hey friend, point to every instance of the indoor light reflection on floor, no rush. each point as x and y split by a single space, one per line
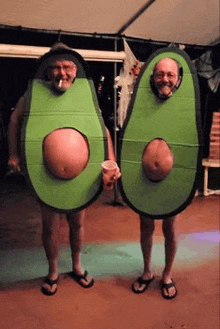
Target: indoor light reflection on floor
205 237
107 260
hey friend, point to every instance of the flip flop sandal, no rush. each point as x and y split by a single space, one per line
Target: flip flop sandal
79 277
45 291
142 281
167 286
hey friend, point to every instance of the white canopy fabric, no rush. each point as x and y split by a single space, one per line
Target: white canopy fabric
178 21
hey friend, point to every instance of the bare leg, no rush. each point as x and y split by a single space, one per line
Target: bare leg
76 224
51 228
170 235
147 230
147 226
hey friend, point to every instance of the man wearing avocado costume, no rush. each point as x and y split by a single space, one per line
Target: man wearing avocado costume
162 155
158 161
64 167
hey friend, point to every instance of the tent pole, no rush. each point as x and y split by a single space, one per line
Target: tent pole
115 202
22 51
115 105
135 16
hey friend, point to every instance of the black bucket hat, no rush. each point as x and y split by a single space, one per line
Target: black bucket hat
60 51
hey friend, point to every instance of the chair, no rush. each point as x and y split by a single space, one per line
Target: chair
214 153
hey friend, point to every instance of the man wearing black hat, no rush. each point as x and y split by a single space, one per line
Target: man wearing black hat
58 73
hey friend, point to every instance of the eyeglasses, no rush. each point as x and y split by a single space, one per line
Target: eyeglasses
58 68
161 75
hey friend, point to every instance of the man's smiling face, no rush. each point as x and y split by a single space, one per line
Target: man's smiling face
62 74
166 77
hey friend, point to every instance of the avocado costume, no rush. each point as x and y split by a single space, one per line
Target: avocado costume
175 120
47 111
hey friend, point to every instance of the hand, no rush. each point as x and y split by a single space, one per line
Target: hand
110 177
135 70
14 164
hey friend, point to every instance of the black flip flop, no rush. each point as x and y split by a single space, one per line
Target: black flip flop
167 286
79 277
142 281
45 291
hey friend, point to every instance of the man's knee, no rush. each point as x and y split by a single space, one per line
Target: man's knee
147 225
50 221
75 219
170 229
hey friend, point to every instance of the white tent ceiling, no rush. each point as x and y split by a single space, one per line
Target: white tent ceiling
180 21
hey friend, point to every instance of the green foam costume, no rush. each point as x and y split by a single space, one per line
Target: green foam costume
175 120
76 108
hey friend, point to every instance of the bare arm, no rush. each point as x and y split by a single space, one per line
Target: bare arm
111 153
110 178
13 133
